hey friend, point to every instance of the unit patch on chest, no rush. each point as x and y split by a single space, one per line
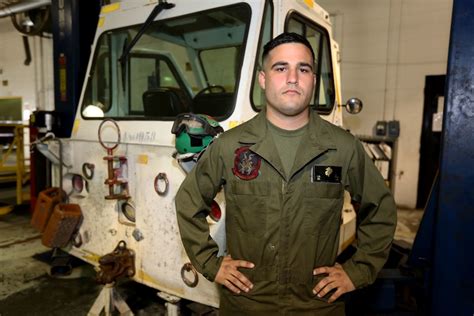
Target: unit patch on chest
330 174
246 163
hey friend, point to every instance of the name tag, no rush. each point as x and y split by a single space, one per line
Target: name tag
331 174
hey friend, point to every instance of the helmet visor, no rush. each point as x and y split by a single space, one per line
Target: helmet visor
193 124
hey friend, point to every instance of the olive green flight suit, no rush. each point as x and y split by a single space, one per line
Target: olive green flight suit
286 227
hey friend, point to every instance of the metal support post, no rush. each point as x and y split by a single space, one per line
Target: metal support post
107 301
452 274
172 303
74 25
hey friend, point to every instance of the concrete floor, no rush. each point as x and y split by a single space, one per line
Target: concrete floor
28 289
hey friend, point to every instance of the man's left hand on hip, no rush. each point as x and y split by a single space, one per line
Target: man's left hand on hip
336 279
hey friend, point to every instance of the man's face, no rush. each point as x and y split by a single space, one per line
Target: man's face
288 79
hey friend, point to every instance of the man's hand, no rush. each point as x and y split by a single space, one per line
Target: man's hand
230 277
336 278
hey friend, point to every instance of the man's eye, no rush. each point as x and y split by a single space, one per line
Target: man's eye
305 70
280 69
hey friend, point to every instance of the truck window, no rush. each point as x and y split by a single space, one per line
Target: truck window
185 64
258 96
324 92
99 94
214 60
150 72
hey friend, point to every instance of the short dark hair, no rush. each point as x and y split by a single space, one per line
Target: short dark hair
285 38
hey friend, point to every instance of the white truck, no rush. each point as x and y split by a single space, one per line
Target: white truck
194 56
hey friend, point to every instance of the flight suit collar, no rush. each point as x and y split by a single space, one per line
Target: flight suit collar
314 143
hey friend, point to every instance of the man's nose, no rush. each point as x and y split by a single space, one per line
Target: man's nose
292 77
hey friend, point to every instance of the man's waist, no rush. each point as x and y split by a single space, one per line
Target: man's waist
280 275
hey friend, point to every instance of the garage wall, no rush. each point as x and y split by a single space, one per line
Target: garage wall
387 49
34 83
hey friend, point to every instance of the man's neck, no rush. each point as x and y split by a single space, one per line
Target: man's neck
288 122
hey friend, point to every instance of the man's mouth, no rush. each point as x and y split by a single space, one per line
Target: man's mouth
291 91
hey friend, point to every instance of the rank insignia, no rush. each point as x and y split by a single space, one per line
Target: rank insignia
246 163
330 174
328 171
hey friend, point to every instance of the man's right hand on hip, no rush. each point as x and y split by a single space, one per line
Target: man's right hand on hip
229 275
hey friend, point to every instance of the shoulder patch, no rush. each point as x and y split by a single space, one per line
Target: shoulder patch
246 163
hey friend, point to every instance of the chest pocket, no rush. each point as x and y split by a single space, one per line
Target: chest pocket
323 205
246 206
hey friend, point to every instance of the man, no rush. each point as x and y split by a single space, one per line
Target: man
284 173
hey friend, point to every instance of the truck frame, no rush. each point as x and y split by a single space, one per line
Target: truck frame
119 164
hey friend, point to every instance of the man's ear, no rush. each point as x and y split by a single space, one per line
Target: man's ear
261 79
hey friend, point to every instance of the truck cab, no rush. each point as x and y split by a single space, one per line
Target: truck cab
194 57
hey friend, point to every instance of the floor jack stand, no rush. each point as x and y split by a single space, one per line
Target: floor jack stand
172 303
108 300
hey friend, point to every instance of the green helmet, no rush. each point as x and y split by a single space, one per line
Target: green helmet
194 132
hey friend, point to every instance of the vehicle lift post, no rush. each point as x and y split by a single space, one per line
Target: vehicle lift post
445 239
74 24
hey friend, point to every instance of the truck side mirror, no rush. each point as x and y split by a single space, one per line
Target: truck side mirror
354 105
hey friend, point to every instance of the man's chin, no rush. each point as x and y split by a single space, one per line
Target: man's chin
293 111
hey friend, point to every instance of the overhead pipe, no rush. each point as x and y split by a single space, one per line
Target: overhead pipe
23 7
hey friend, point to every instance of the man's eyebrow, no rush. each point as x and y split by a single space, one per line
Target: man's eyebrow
284 63
306 65
279 63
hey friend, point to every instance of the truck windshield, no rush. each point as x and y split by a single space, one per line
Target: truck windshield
186 64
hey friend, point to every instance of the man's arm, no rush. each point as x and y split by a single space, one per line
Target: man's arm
193 203
376 222
376 218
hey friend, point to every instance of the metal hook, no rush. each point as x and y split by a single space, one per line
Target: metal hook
161 176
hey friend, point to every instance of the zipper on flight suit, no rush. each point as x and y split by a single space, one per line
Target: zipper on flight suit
283 186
